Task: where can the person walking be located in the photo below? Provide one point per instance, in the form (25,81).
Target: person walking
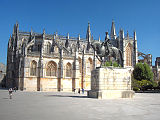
(74,90)
(15,88)
(83,90)
(79,90)
(10,93)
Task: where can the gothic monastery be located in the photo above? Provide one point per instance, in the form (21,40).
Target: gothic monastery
(45,62)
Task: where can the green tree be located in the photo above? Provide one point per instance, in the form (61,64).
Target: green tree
(142,77)
(143,72)
(138,72)
(148,74)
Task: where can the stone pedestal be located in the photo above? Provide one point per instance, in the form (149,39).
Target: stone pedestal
(110,82)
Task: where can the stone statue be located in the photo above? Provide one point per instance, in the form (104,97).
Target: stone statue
(105,50)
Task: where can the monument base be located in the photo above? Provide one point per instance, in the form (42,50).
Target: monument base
(111,94)
(110,82)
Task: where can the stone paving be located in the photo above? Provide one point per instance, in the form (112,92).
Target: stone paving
(70,106)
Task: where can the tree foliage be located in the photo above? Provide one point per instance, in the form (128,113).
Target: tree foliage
(143,72)
(143,77)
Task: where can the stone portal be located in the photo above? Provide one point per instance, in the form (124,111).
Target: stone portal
(110,82)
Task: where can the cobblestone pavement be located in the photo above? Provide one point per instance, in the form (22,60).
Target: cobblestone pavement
(70,106)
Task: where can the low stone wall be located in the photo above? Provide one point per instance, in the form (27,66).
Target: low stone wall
(111,83)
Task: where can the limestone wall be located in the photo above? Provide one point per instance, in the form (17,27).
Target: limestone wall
(111,79)
(111,82)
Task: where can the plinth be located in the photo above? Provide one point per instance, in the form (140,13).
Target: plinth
(110,82)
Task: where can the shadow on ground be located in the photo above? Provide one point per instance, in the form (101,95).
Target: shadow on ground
(149,91)
(3,88)
(73,96)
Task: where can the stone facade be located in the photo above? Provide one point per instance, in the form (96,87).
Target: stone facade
(156,70)
(2,75)
(52,62)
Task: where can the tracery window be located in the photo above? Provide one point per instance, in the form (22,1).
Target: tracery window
(68,70)
(51,69)
(39,47)
(89,65)
(80,64)
(129,55)
(56,49)
(33,68)
(48,47)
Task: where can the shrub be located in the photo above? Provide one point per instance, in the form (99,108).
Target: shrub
(136,89)
(108,63)
(115,64)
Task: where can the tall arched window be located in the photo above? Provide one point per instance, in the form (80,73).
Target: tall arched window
(89,65)
(80,64)
(39,47)
(51,69)
(33,68)
(48,47)
(56,49)
(129,55)
(68,70)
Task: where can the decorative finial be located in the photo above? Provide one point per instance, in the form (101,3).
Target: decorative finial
(135,36)
(79,37)
(44,32)
(67,35)
(99,38)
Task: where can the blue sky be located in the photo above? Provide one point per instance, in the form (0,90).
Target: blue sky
(73,15)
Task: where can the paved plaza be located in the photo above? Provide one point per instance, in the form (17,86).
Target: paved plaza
(70,106)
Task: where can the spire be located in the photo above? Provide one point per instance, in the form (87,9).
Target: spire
(79,37)
(31,31)
(127,35)
(88,35)
(107,37)
(121,33)
(78,41)
(67,42)
(92,38)
(14,29)
(44,32)
(135,36)
(10,37)
(68,36)
(9,42)
(54,36)
(17,27)
(113,31)
(99,39)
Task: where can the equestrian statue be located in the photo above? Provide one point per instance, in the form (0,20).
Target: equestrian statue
(105,51)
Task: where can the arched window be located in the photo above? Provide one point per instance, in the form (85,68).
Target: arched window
(56,49)
(33,68)
(89,65)
(129,55)
(51,69)
(80,64)
(68,70)
(48,47)
(39,47)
